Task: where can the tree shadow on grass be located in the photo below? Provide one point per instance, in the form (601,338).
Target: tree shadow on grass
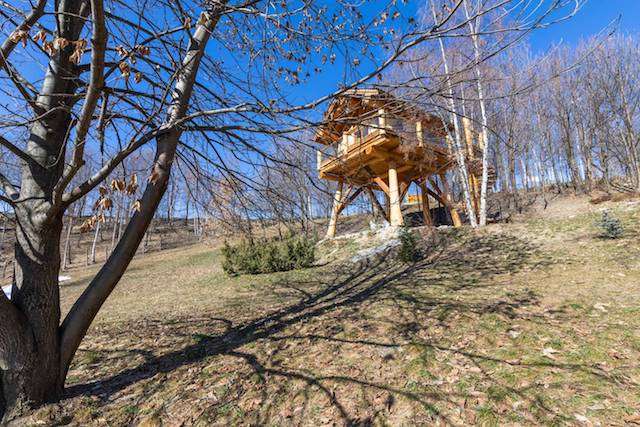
(454,278)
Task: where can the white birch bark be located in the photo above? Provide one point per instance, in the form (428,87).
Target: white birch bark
(473,26)
(462,167)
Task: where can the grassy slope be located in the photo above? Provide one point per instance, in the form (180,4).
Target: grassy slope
(530,323)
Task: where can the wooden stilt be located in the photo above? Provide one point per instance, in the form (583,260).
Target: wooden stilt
(378,210)
(424,201)
(404,189)
(387,206)
(333,221)
(395,213)
(455,216)
(350,198)
(473,180)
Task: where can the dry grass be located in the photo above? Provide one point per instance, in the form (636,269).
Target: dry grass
(530,323)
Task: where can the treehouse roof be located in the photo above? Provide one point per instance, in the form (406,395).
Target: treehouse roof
(357,105)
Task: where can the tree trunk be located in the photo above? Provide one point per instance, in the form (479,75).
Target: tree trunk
(30,376)
(456,143)
(35,351)
(29,335)
(81,315)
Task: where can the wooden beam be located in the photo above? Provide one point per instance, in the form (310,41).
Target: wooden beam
(438,197)
(455,216)
(377,208)
(424,202)
(384,155)
(404,187)
(383,185)
(395,213)
(435,186)
(349,199)
(335,212)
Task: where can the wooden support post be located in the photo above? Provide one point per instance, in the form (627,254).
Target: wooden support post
(395,213)
(350,198)
(378,210)
(419,133)
(387,206)
(424,201)
(468,136)
(404,188)
(382,119)
(455,216)
(473,180)
(383,185)
(335,211)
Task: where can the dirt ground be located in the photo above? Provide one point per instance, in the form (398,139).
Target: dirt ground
(535,322)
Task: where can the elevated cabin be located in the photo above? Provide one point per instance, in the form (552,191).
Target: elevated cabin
(375,142)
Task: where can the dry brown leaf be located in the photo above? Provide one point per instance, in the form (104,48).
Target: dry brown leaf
(633,419)
(49,48)
(153,178)
(122,51)
(125,69)
(106,203)
(40,36)
(60,43)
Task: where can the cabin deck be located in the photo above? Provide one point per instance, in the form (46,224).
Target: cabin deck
(370,157)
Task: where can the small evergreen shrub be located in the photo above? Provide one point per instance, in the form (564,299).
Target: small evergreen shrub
(610,226)
(409,251)
(268,256)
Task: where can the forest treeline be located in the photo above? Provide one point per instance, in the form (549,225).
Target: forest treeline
(571,117)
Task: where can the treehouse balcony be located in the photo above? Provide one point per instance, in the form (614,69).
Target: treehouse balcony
(365,152)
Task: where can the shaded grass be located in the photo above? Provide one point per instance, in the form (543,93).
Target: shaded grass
(458,338)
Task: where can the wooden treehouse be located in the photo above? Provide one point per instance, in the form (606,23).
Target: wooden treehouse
(374,142)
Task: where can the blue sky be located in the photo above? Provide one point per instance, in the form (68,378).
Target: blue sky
(592,18)
(595,17)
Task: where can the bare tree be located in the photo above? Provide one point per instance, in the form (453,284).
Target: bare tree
(151,87)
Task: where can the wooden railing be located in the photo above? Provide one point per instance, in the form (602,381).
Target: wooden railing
(323,158)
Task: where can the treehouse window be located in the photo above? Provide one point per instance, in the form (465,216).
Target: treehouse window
(397,124)
(370,126)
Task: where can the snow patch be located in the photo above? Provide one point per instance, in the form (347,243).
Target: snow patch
(7,289)
(384,238)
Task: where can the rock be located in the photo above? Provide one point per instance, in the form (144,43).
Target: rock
(600,306)
(581,418)
(513,333)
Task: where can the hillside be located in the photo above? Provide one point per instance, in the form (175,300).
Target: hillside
(533,322)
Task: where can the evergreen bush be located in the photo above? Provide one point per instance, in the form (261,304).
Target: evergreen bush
(268,256)
(409,251)
(610,226)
